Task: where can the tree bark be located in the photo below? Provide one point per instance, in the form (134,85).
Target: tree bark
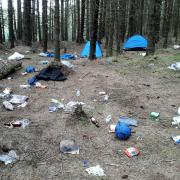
(94,28)
(27,23)
(45,25)
(39,23)
(10,22)
(57,32)
(62,20)
(78,22)
(87,20)
(19,17)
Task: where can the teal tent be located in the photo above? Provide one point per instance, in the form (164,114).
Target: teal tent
(86,50)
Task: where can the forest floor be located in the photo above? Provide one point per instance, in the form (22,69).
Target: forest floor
(135,88)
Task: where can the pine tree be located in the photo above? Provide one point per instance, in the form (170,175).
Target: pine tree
(10,22)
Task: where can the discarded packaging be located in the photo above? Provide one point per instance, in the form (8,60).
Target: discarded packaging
(176,139)
(26,86)
(175,66)
(112,128)
(131,152)
(9,158)
(7,91)
(4,96)
(18,123)
(23,105)
(8,105)
(129,121)
(70,106)
(39,85)
(52,108)
(94,121)
(18,99)
(176,46)
(78,93)
(179,110)
(69,147)
(24,73)
(102,93)
(108,118)
(16,56)
(68,64)
(95,171)
(44,62)
(154,115)
(106,97)
(176,120)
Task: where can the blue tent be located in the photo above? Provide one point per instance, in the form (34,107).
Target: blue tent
(136,43)
(86,50)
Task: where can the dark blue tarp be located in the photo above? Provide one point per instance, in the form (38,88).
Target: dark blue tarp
(86,50)
(136,42)
(63,57)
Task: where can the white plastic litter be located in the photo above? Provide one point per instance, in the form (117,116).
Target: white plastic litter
(102,93)
(179,110)
(43,54)
(18,99)
(176,46)
(7,91)
(24,122)
(16,56)
(59,105)
(68,64)
(23,105)
(78,93)
(108,118)
(9,158)
(95,171)
(106,97)
(8,105)
(175,66)
(143,54)
(25,86)
(69,147)
(70,106)
(176,120)
(176,139)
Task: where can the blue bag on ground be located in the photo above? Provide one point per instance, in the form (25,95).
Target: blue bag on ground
(32,81)
(122,131)
(30,69)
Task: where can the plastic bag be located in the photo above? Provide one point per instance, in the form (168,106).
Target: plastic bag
(16,56)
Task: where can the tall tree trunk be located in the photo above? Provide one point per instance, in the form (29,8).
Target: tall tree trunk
(27,23)
(101,18)
(78,22)
(10,22)
(19,18)
(14,23)
(132,18)
(82,20)
(176,19)
(39,22)
(57,31)
(87,20)
(167,22)
(33,21)
(45,25)
(1,35)
(75,21)
(111,29)
(2,21)
(62,20)
(94,27)
(66,20)
(152,24)
(50,21)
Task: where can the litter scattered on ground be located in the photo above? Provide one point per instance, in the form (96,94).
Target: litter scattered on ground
(7,105)
(175,66)
(7,91)
(24,73)
(32,81)
(43,54)
(129,121)
(131,152)
(9,158)
(30,69)
(23,105)
(25,86)
(18,123)
(56,105)
(69,147)
(154,115)
(179,110)
(122,131)
(78,93)
(95,171)
(70,106)
(68,64)
(18,99)
(16,56)
(112,128)
(106,97)
(39,85)
(102,93)
(176,139)
(5,96)
(44,62)
(176,120)
(143,54)
(176,46)
(94,121)
(108,118)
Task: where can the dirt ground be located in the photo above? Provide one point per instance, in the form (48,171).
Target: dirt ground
(135,88)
